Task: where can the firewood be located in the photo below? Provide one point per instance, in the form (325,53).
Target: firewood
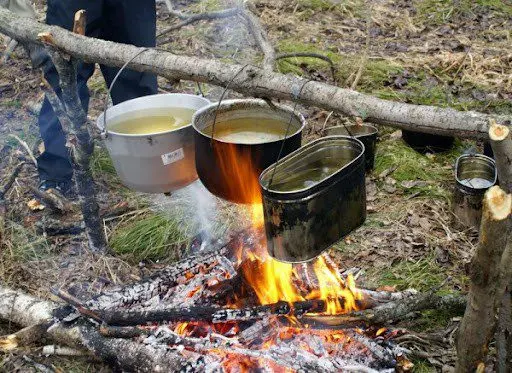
(53,199)
(25,310)
(477,325)
(158,283)
(254,81)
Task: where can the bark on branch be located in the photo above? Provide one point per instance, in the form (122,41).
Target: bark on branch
(256,82)
(501,142)
(25,310)
(70,110)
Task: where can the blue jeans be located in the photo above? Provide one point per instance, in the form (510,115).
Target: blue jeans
(122,21)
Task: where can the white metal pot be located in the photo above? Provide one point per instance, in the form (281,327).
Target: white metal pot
(154,163)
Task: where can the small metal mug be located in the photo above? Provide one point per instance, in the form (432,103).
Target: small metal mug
(474,174)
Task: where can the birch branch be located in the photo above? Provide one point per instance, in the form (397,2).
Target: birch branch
(256,82)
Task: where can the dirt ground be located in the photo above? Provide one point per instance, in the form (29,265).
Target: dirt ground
(421,51)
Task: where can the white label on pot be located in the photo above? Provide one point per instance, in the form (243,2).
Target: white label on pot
(172,157)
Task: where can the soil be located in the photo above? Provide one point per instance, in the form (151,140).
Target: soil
(423,52)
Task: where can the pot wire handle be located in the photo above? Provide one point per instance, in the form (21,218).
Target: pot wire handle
(222,97)
(105,130)
(296,96)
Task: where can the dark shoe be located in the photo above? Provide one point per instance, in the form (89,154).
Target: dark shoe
(63,187)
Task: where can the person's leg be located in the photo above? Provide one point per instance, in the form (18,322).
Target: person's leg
(130,22)
(54,164)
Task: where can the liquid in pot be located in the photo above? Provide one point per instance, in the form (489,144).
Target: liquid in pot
(307,177)
(152,121)
(249,130)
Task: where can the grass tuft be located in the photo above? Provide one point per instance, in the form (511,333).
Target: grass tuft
(437,12)
(421,275)
(101,163)
(153,237)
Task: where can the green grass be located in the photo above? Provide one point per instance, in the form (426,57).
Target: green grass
(434,319)
(101,163)
(421,90)
(422,366)
(153,237)
(421,275)
(374,75)
(349,8)
(436,12)
(12,104)
(25,244)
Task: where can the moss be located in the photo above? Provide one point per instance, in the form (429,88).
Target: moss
(153,237)
(375,74)
(434,170)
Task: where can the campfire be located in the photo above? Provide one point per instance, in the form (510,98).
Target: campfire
(234,308)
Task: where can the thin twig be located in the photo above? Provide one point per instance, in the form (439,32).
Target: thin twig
(261,38)
(199,17)
(8,184)
(26,147)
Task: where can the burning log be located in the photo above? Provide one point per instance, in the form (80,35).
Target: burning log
(208,313)
(477,326)
(161,281)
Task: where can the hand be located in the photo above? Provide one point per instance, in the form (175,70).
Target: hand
(23,8)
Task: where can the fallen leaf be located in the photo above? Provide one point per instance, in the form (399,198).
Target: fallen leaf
(35,205)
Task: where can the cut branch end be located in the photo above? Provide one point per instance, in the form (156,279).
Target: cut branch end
(498,132)
(46,38)
(79,22)
(498,202)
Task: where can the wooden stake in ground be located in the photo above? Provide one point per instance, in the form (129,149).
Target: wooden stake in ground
(477,326)
(71,111)
(501,142)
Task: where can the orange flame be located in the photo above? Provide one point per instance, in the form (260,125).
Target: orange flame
(272,280)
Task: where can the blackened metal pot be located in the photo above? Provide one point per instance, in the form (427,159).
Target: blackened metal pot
(474,174)
(302,222)
(426,142)
(231,170)
(364,132)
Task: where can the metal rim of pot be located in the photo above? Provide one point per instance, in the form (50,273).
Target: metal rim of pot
(347,128)
(126,105)
(234,104)
(320,184)
(209,151)
(463,157)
